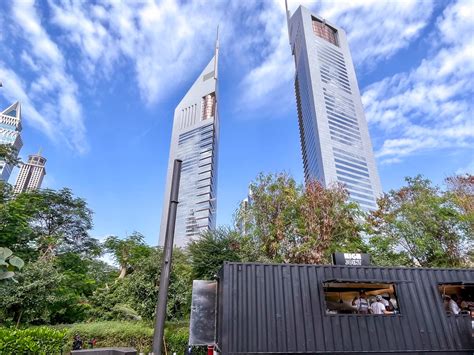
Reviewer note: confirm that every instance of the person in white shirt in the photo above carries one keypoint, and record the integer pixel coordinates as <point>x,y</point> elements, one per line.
<point>453,306</point>
<point>378,307</point>
<point>361,304</point>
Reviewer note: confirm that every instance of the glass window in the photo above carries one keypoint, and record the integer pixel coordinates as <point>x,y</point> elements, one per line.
<point>370,298</point>
<point>458,298</point>
<point>324,31</point>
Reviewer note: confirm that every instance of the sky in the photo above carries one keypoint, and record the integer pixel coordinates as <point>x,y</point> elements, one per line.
<point>98,83</point>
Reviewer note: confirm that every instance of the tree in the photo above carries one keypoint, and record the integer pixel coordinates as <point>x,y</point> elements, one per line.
<point>9,263</point>
<point>137,293</point>
<point>272,215</point>
<point>127,252</point>
<point>32,298</point>
<point>420,225</point>
<point>328,223</point>
<point>289,223</point>
<point>60,223</point>
<point>209,252</point>
<point>15,215</point>
<point>8,153</point>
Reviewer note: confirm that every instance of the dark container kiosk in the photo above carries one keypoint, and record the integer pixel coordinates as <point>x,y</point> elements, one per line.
<point>284,309</point>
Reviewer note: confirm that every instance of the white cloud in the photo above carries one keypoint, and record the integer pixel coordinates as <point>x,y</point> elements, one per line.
<point>13,90</point>
<point>469,169</point>
<point>429,107</point>
<point>369,43</point>
<point>161,40</point>
<point>49,94</point>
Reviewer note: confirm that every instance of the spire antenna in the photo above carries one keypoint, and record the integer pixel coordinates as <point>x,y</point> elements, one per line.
<point>288,20</point>
<point>216,53</point>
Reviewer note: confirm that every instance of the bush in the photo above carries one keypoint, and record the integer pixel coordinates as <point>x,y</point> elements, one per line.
<point>138,335</point>
<point>40,340</point>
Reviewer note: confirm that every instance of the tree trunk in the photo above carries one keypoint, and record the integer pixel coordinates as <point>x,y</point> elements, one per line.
<point>19,318</point>
<point>123,272</point>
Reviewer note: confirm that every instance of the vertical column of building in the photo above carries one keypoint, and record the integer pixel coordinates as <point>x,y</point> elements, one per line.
<point>194,140</point>
<point>10,128</point>
<point>31,174</point>
<point>334,134</point>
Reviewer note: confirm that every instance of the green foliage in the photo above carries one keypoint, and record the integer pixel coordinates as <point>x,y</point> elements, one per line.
<point>288,223</point>
<point>45,223</point>
<point>32,299</point>
<point>8,153</point>
<point>138,335</point>
<point>420,225</point>
<point>40,340</point>
<point>128,252</point>
<point>61,223</point>
<point>139,290</point>
<point>209,252</point>
<point>9,263</point>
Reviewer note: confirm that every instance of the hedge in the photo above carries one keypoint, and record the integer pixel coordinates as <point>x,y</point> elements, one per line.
<point>38,340</point>
<point>138,335</point>
<point>53,339</point>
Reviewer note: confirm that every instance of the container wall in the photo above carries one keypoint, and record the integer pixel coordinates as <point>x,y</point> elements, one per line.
<point>275,308</point>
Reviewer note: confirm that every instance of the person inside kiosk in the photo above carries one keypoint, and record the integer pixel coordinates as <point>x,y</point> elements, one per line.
<point>360,298</point>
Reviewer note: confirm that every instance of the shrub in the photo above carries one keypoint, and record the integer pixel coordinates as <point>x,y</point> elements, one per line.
<point>38,340</point>
<point>138,335</point>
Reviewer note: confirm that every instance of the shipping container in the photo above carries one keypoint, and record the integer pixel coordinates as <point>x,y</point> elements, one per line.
<point>308,309</point>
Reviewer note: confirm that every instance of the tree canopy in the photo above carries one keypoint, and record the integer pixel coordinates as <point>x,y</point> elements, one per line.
<point>422,225</point>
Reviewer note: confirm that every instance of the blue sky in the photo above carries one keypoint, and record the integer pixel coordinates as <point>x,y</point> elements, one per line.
<point>99,81</point>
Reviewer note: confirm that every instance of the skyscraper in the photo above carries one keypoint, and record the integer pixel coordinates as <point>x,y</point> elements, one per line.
<point>10,128</point>
<point>334,135</point>
<point>31,174</point>
<point>194,140</point>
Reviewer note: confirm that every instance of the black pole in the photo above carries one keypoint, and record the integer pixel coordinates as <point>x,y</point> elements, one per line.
<point>167,256</point>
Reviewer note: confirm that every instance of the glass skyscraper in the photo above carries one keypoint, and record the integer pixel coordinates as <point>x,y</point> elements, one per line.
<point>10,128</point>
<point>195,140</point>
<point>334,135</point>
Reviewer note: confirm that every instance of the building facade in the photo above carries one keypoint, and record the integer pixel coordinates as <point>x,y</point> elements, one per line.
<point>195,140</point>
<point>31,174</point>
<point>10,128</point>
<point>334,135</point>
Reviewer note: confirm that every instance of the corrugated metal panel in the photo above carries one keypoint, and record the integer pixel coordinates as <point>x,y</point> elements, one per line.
<point>280,308</point>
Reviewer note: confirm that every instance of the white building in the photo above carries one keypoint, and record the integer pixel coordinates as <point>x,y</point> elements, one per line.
<point>31,174</point>
<point>10,128</point>
<point>334,135</point>
<point>195,140</point>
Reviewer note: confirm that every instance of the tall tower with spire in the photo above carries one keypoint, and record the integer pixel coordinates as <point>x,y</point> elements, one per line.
<point>10,128</point>
<point>335,141</point>
<point>195,140</point>
<point>31,174</point>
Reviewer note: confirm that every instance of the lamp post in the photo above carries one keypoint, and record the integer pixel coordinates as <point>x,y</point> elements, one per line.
<point>167,258</point>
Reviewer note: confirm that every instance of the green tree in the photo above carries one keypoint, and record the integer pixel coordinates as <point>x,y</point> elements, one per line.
<point>9,263</point>
<point>8,153</point>
<point>61,223</point>
<point>15,216</point>
<point>328,222</point>
<point>127,252</point>
<point>420,225</point>
<point>31,299</point>
<point>289,223</point>
<point>209,252</point>
<point>138,291</point>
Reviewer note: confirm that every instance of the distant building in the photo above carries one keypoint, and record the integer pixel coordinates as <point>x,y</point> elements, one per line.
<point>10,128</point>
<point>31,174</point>
<point>334,135</point>
<point>195,140</point>
<point>243,217</point>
